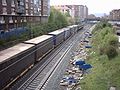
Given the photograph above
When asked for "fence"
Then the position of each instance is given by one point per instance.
(13, 33)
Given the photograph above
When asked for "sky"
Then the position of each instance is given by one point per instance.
(94, 6)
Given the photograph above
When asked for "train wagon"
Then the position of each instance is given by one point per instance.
(66, 32)
(80, 27)
(15, 60)
(75, 28)
(58, 36)
(43, 44)
(71, 30)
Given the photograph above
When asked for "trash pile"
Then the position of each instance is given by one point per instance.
(78, 66)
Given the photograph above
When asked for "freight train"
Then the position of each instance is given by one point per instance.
(17, 59)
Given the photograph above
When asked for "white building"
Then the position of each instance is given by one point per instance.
(64, 9)
(79, 12)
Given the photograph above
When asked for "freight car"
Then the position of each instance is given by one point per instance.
(72, 31)
(43, 45)
(13, 61)
(76, 28)
(58, 36)
(67, 33)
(80, 27)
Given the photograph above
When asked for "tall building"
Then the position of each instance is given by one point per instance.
(64, 9)
(79, 12)
(85, 12)
(17, 13)
(115, 14)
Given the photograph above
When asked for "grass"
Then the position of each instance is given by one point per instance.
(105, 71)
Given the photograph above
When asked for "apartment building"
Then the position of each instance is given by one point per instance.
(17, 13)
(115, 14)
(85, 11)
(63, 9)
(79, 12)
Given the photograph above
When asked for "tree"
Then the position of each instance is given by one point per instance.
(56, 21)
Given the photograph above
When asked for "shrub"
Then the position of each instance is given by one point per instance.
(106, 41)
(113, 41)
(111, 52)
(105, 31)
(104, 25)
(102, 50)
(101, 25)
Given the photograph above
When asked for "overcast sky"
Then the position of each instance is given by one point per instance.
(94, 6)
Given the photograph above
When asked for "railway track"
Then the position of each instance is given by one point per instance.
(38, 79)
(47, 79)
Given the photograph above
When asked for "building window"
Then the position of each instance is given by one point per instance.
(10, 20)
(4, 2)
(13, 3)
(39, 3)
(21, 3)
(26, 5)
(35, 11)
(31, 6)
(15, 21)
(31, 12)
(21, 20)
(26, 0)
(25, 19)
(4, 10)
(39, 7)
(2, 19)
(31, 1)
(26, 12)
(13, 11)
(45, 3)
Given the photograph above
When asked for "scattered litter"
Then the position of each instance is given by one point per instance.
(78, 67)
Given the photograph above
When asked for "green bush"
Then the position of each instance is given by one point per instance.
(113, 41)
(105, 60)
(101, 25)
(104, 25)
(102, 50)
(105, 40)
(111, 52)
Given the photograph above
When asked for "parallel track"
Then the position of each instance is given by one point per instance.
(38, 68)
(49, 74)
(35, 79)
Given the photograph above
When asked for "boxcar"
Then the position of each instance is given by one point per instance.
(80, 26)
(75, 28)
(14, 60)
(67, 33)
(58, 36)
(72, 32)
(43, 44)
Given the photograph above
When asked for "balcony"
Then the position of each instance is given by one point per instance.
(4, 3)
(21, 3)
(20, 10)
